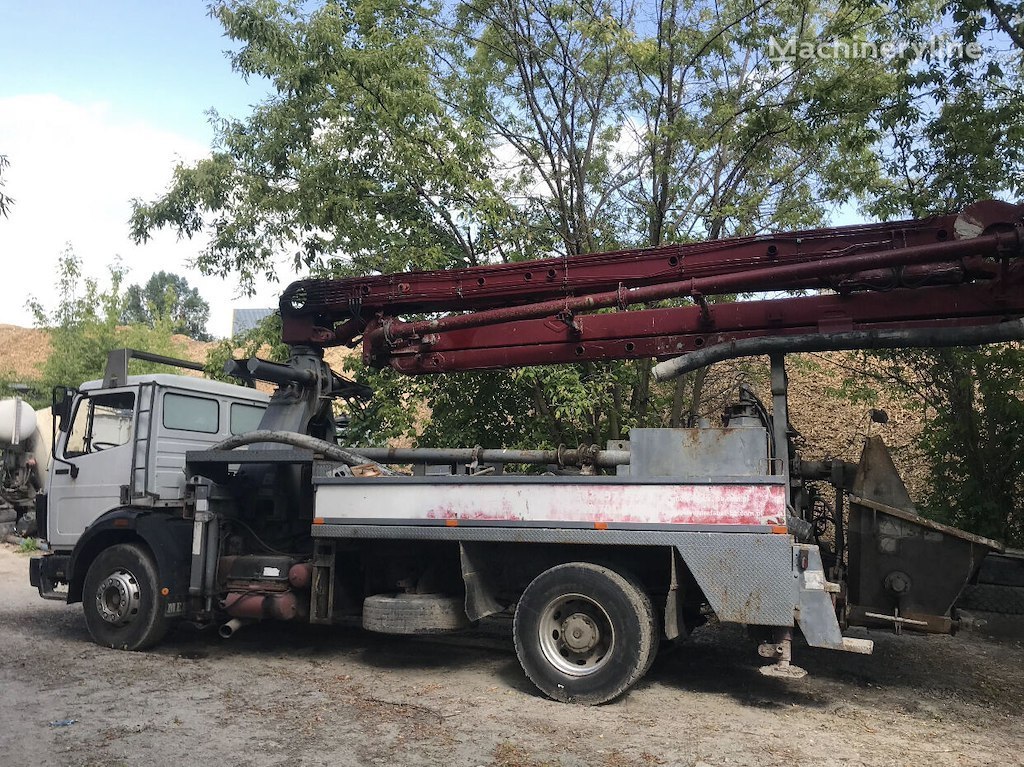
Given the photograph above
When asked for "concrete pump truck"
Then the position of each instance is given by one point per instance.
(172, 498)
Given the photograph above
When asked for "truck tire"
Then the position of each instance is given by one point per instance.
(584, 633)
(414, 613)
(993, 599)
(120, 597)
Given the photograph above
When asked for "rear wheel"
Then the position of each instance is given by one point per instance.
(121, 600)
(584, 633)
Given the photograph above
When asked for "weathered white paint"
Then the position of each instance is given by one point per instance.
(561, 502)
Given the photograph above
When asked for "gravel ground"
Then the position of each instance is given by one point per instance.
(285, 695)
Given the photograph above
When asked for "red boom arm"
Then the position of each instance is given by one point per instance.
(943, 272)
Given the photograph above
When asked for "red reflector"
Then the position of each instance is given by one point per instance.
(122, 522)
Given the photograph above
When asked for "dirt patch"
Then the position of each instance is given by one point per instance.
(22, 351)
(291, 695)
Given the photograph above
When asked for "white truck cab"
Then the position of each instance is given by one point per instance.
(125, 445)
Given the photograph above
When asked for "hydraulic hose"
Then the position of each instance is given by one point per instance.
(328, 449)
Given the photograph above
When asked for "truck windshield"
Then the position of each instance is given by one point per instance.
(101, 422)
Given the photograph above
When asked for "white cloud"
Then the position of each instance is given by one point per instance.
(74, 169)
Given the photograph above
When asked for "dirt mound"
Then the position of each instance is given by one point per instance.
(22, 351)
(193, 350)
(833, 425)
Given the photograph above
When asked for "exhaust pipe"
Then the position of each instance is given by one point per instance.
(228, 629)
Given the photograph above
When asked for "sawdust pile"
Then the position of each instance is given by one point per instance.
(22, 351)
(834, 427)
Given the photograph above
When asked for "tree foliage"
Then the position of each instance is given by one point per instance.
(167, 296)
(86, 323)
(972, 404)
(953, 130)
(954, 133)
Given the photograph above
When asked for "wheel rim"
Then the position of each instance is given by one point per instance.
(118, 598)
(576, 635)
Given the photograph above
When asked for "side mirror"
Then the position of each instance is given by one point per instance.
(62, 399)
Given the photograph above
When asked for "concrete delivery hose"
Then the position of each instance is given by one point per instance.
(327, 449)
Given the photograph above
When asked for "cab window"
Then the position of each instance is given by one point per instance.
(245, 418)
(187, 413)
(101, 422)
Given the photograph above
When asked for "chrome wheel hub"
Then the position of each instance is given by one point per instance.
(576, 635)
(118, 598)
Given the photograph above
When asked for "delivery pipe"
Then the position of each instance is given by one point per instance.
(913, 338)
(325, 448)
(561, 457)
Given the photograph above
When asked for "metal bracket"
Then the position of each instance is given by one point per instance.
(568, 318)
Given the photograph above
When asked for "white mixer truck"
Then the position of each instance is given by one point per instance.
(25, 438)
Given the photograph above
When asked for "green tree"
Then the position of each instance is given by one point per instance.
(952, 132)
(167, 296)
(357, 162)
(85, 324)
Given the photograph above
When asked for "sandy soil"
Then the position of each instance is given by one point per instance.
(282, 695)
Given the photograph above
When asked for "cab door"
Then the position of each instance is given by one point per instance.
(93, 463)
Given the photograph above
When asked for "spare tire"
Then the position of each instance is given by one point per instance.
(414, 613)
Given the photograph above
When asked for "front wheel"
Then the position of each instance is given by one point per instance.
(584, 633)
(121, 600)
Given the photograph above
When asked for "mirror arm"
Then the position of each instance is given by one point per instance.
(58, 422)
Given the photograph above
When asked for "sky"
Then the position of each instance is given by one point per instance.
(99, 99)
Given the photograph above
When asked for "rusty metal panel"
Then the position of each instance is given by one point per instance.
(685, 453)
(899, 561)
(746, 578)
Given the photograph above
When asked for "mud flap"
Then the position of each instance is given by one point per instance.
(480, 600)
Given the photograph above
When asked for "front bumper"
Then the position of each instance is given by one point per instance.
(46, 572)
